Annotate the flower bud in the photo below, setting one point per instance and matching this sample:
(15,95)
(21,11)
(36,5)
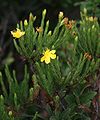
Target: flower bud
(31,17)
(25,22)
(49,33)
(93,26)
(85,11)
(91,19)
(61,15)
(31,91)
(10,113)
(44,12)
(47,23)
(1,97)
(76,38)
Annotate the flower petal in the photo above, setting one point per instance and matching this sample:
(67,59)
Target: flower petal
(43,58)
(47,60)
(47,52)
(18,33)
(22,33)
(52,51)
(48,55)
(53,56)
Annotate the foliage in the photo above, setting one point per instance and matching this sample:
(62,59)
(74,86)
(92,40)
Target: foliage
(61,89)
(92,6)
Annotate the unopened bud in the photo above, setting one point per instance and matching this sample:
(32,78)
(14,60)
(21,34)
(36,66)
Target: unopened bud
(76,38)
(91,19)
(57,98)
(85,10)
(57,58)
(31,93)
(61,15)
(25,22)
(93,26)
(49,33)
(31,90)
(1,97)
(34,18)
(10,113)
(47,23)
(44,12)
(31,16)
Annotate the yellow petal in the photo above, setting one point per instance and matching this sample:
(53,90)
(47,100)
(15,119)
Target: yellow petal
(47,60)
(18,30)
(12,32)
(53,51)
(47,51)
(43,58)
(18,33)
(22,33)
(53,56)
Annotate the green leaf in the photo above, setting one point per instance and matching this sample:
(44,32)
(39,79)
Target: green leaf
(87,97)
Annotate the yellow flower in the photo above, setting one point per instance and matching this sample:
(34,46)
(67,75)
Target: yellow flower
(48,55)
(18,33)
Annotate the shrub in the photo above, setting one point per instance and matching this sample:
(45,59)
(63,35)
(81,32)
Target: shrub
(65,67)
